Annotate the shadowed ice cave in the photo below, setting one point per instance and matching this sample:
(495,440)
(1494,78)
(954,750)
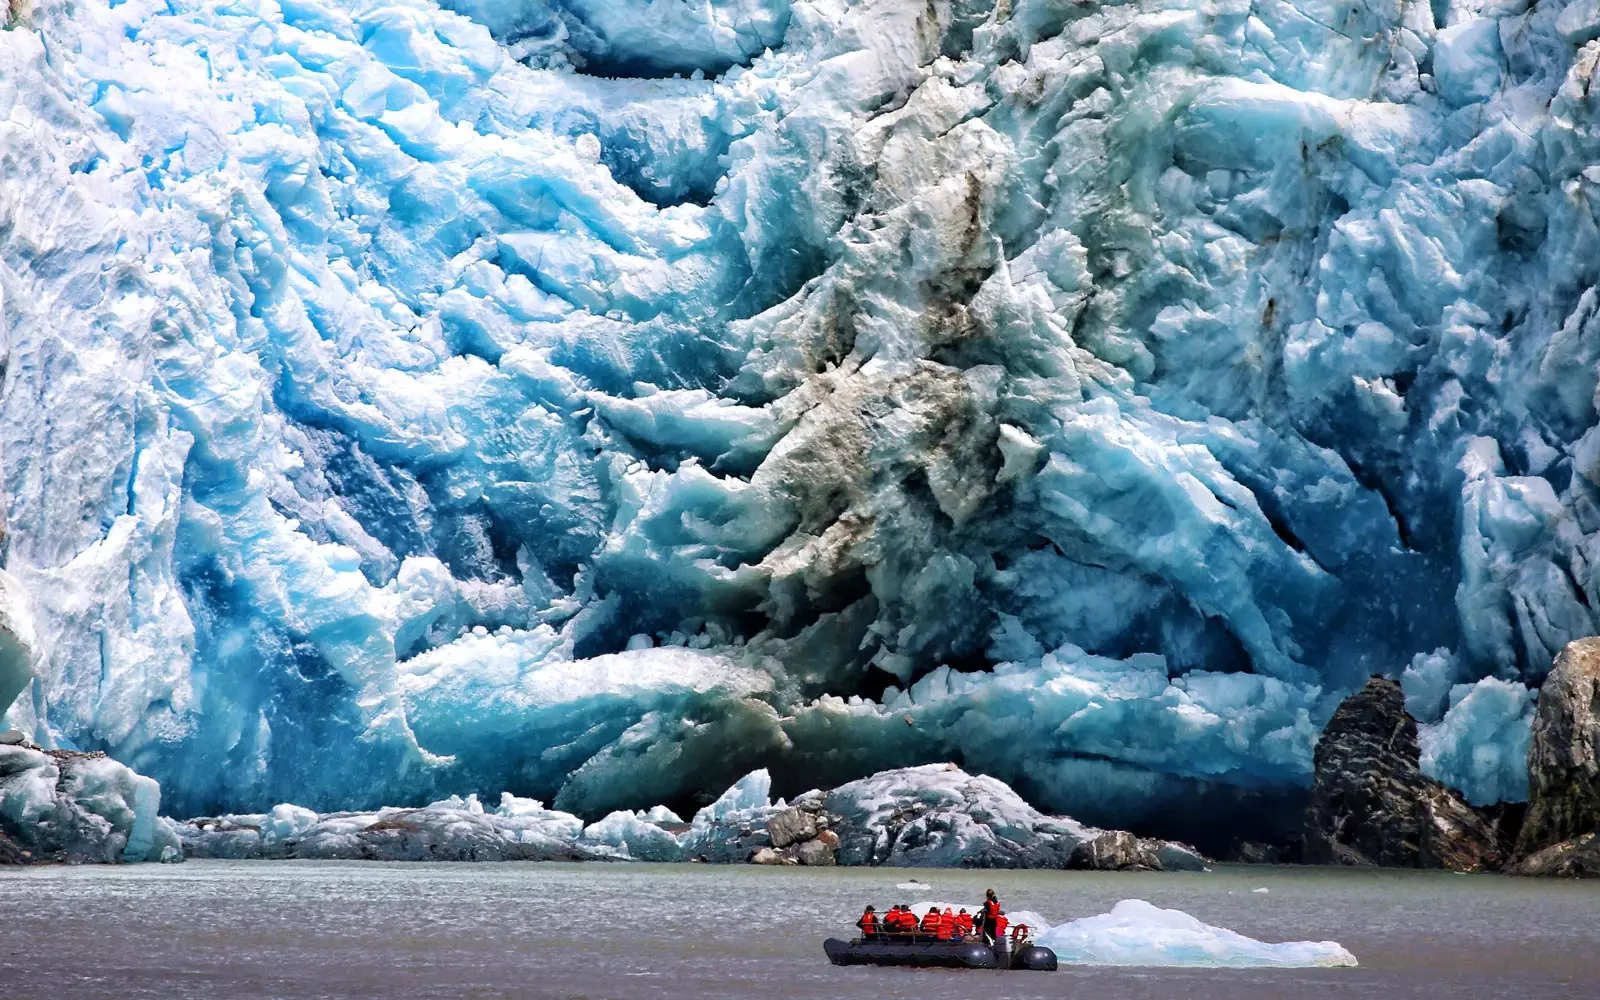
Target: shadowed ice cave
(599,400)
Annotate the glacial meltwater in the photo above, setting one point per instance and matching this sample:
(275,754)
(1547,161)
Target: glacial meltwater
(302,930)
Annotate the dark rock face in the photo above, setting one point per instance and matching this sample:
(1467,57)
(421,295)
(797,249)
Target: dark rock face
(1564,755)
(11,853)
(1372,805)
(1575,858)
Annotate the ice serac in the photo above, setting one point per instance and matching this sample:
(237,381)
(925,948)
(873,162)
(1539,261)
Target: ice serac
(597,400)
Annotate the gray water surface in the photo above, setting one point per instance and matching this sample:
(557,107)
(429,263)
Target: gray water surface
(302,930)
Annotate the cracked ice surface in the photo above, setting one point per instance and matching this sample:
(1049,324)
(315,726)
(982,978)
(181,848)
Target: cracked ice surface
(598,400)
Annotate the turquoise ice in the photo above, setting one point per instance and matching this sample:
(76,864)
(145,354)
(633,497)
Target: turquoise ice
(596,400)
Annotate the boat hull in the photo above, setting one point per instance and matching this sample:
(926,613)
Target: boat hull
(936,955)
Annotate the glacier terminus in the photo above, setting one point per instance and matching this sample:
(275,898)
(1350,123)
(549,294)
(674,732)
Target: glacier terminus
(600,400)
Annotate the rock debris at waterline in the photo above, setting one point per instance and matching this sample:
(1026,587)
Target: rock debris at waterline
(935,815)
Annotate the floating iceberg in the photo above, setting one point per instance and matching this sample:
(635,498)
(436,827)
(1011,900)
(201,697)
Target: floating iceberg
(1137,933)
(598,400)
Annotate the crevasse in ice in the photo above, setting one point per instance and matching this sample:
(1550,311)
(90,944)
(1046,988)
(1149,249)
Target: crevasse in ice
(598,399)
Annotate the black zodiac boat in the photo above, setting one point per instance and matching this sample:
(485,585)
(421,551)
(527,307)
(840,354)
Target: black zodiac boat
(929,953)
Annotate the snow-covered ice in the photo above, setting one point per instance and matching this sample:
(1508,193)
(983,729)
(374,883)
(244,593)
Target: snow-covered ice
(1138,933)
(598,400)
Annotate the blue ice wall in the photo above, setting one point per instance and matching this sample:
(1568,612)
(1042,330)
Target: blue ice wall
(599,399)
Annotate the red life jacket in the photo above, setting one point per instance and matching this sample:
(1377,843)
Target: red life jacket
(868,924)
(897,920)
(1000,923)
(947,925)
(931,922)
(964,923)
(991,910)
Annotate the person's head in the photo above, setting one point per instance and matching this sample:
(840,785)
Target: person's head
(963,909)
(871,910)
(933,910)
(988,894)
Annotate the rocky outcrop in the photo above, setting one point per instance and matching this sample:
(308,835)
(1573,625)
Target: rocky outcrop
(1564,763)
(1121,851)
(1578,857)
(1372,805)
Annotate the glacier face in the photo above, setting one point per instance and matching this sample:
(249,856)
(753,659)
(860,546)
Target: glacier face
(598,399)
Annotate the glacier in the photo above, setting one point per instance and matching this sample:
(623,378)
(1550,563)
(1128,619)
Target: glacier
(596,400)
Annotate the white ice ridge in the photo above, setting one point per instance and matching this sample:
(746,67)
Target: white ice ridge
(1137,933)
(594,400)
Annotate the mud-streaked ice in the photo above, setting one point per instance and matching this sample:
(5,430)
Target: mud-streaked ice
(598,400)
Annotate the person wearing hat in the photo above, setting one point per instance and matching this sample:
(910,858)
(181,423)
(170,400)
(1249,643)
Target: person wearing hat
(868,923)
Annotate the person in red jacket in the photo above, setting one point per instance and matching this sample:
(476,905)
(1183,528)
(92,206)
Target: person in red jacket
(868,923)
(908,920)
(931,921)
(964,923)
(989,919)
(897,920)
(947,925)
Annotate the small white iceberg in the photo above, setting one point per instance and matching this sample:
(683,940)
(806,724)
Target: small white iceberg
(1138,933)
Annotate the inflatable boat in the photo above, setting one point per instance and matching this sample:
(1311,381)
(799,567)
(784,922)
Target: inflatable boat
(928,953)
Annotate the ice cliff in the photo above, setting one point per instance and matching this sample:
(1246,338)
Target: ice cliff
(597,399)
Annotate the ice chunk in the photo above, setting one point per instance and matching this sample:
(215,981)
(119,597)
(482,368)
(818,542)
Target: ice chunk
(750,795)
(286,822)
(82,807)
(16,640)
(1481,744)
(635,836)
(1138,933)
(1427,683)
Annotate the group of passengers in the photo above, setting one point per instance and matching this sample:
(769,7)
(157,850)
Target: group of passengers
(900,924)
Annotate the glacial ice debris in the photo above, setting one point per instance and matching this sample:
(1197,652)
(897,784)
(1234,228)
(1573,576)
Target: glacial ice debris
(932,816)
(1137,933)
(73,807)
(381,377)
